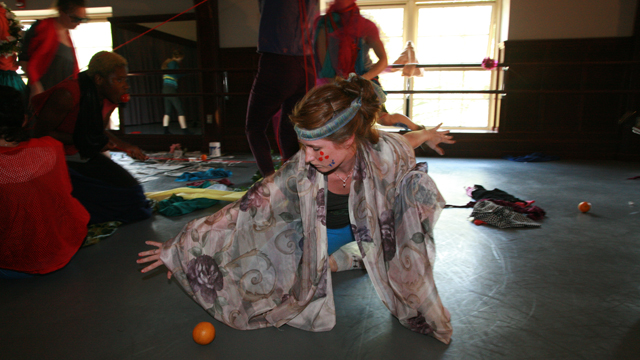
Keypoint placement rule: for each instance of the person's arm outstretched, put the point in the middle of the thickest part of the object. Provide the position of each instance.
(152, 256)
(431, 137)
(117, 144)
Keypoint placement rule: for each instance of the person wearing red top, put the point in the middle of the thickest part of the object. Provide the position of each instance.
(342, 44)
(48, 56)
(41, 225)
(76, 112)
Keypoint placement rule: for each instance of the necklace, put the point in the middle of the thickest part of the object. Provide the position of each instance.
(344, 181)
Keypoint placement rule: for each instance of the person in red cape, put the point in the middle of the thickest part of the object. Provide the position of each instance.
(48, 56)
(343, 40)
(41, 225)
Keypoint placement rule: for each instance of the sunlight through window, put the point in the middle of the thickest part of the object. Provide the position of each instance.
(443, 32)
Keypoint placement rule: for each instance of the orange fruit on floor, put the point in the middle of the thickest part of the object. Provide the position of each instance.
(584, 206)
(204, 333)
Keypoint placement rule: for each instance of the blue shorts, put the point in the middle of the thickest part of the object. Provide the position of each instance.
(336, 238)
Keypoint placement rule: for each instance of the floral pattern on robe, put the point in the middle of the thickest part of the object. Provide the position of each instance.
(262, 260)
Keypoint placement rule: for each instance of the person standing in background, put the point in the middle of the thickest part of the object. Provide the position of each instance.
(170, 86)
(285, 74)
(48, 56)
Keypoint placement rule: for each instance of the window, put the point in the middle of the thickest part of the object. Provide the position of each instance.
(443, 32)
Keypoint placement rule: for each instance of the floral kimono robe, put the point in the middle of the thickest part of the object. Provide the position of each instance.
(262, 260)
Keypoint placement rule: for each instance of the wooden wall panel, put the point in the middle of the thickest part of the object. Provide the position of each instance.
(561, 113)
(523, 77)
(561, 77)
(566, 97)
(520, 113)
(605, 77)
(601, 113)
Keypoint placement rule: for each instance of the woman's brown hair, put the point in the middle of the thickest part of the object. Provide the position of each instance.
(322, 103)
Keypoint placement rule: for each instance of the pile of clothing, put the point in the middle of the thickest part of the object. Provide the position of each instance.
(501, 209)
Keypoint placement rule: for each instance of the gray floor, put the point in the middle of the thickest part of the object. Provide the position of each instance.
(567, 290)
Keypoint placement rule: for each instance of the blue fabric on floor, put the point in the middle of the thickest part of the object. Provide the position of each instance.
(533, 157)
(203, 175)
(337, 238)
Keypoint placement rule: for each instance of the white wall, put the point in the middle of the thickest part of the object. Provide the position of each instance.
(504, 26)
(567, 19)
(239, 23)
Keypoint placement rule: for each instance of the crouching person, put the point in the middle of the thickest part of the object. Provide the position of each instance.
(76, 112)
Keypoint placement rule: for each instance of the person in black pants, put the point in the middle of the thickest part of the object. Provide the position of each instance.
(285, 74)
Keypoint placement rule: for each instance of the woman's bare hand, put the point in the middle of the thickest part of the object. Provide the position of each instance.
(434, 138)
(152, 256)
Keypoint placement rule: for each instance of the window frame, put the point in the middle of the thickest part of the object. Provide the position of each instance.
(410, 33)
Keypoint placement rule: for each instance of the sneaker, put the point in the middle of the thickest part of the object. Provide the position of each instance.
(186, 131)
(166, 130)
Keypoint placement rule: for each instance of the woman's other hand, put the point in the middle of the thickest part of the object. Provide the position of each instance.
(434, 138)
(152, 256)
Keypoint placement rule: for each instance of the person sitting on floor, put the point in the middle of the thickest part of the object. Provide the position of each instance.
(41, 225)
(76, 112)
(264, 260)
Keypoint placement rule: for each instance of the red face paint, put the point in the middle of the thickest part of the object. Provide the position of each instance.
(125, 98)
